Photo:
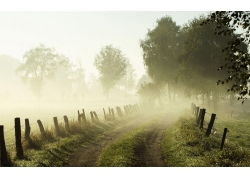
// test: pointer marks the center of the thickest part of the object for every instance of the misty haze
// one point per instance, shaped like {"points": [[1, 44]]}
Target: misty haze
{"points": [[124, 89]]}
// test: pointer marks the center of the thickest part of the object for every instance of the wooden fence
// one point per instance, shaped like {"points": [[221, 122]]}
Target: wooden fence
{"points": [[199, 115], [4, 159]]}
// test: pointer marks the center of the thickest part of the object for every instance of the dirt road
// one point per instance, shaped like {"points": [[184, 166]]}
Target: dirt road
{"points": [[149, 154]]}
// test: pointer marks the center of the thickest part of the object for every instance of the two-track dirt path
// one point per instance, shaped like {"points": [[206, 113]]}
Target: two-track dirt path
{"points": [[150, 155]]}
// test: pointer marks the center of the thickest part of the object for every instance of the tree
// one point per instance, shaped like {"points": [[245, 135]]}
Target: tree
{"points": [[79, 84], [200, 59], [237, 58], [40, 63], [128, 81], [61, 83], [111, 64], [149, 91], [160, 50]]}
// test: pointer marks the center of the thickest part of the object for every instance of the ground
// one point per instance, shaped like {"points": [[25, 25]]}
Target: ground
{"points": [[149, 153]]}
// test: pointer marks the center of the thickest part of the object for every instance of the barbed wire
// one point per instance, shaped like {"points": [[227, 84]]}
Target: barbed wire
{"points": [[9, 130]]}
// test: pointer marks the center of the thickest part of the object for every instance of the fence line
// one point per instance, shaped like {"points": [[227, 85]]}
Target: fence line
{"points": [[22, 129]]}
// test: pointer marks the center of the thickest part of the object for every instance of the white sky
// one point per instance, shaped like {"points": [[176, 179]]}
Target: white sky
{"points": [[81, 30], [81, 34]]}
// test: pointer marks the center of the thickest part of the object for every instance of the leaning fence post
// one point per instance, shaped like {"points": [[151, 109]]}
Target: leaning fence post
{"points": [[202, 118], [41, 128], [120, 111], [19, 148], [199, 117], [113, 114], [56, 126], [66, 123], [79, 116], [210, 125], [104, 113], [223, 138], [83, 115], [4, 158], [92, 117], [126, 112], [96, 117], [196, 112], [109, 111], [27, 129]]}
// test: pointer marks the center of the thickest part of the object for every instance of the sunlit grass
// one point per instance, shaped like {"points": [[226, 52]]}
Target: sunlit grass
{"points": [[53, 150], [185, 145], [122, 153]]}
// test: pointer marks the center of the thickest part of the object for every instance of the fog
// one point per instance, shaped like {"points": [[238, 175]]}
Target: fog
{"points": [[71, 73]]}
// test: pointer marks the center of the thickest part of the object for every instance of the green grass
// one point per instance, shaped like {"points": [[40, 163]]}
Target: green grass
{"points": [[185, 145], [123, 152], [53, 151]]}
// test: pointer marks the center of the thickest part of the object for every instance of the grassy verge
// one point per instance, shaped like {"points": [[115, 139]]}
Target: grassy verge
{"points": [[122, 153], [185, 145], [53, 150]]}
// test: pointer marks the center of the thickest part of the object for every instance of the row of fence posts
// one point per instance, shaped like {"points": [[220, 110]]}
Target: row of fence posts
{"points": [[200, 116], [129, 109]]}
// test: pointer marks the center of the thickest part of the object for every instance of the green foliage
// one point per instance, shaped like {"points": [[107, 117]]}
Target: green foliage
{"points": [[185, 145], [237, 58], [111, 64], [201, 58], [160, 50]]}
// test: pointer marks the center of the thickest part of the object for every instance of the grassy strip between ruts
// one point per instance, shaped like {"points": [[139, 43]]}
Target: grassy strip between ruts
{"points": [[54, 151], [122, 153], [185, 145]]}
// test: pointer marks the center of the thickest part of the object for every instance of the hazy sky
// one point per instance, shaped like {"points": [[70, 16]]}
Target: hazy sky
{"points": [[82, 34]]}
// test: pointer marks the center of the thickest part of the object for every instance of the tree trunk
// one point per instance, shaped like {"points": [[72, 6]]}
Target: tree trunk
{"points": [[173, 94], [208, 101], [169, 94], [203, 99], [215, 101]]}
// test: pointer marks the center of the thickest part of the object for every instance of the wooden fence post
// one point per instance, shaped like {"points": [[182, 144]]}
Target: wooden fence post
{"points": [[92, 117], [83, 116], [196, 112], [223, 138], [109, 112], [202, 118], [96, 117], [27, 129], [66, 123], [79, 116], [199, 117], [41, 128], [113, 114], [210, 125], [56, 126], [120, 111], [104, 114], [4, 158], [126, 112], [19, 148]]}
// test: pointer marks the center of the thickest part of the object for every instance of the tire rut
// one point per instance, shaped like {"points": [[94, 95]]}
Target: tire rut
{"points": [[87, 155], [149, 152]]}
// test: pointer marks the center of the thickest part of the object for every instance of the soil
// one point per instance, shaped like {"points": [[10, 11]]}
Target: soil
{"points": [[149, 153]]}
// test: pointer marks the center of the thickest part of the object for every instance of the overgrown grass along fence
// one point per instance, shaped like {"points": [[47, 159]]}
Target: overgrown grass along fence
{"points": [[199, 114], [60, 129]]}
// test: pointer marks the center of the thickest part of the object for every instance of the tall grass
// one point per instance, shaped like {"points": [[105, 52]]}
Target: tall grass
{"points": [[53, 150], [185, 145]]}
